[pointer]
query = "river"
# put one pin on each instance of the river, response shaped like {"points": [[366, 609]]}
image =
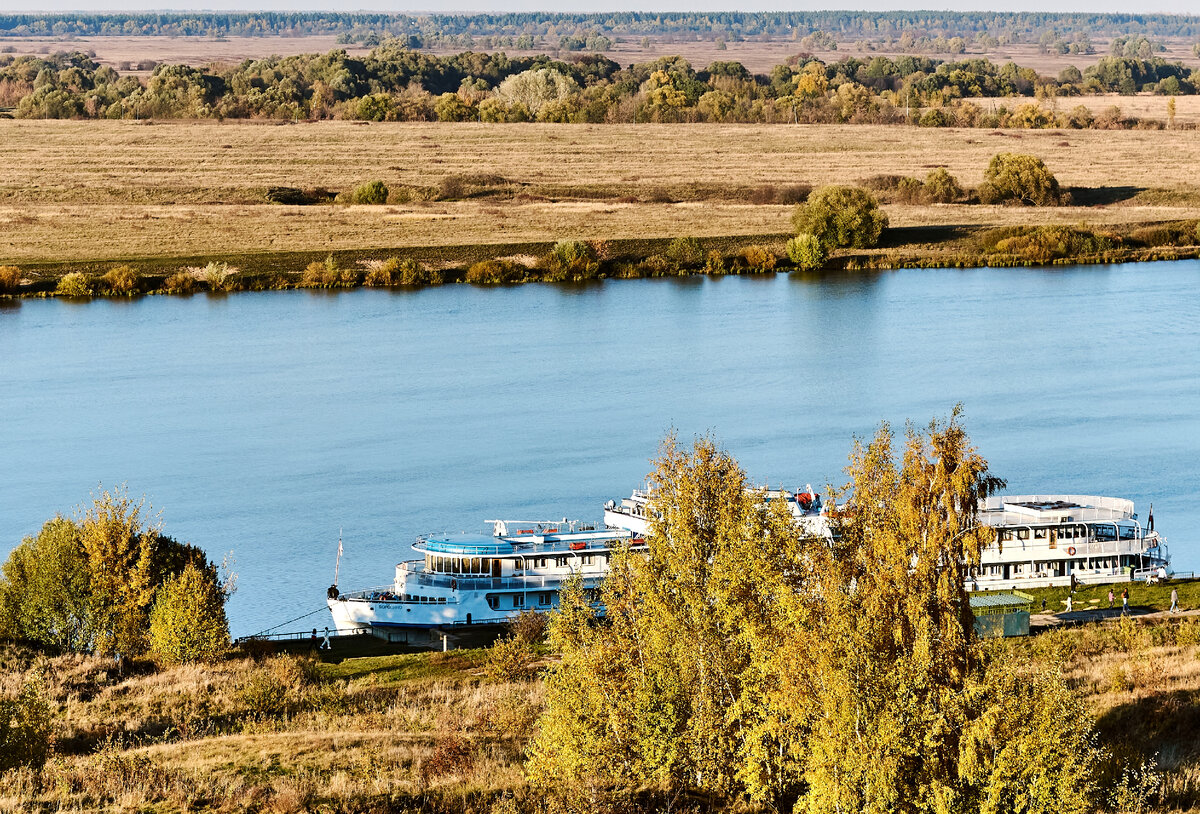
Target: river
{"points": [[264, 423]]}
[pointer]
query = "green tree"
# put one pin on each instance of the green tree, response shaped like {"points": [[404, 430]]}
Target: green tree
{"points": [[120, 549], [840, 216], [45, 594], [187, 622], [1020, 179]]}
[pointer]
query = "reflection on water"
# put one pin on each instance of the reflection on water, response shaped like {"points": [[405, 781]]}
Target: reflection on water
{"points": [[264, 422]]}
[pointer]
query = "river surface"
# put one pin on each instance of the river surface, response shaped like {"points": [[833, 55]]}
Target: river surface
{"points": [[264, 423]]}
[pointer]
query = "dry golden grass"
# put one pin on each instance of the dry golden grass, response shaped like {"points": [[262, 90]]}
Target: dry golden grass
{"points": [[111, 190]]}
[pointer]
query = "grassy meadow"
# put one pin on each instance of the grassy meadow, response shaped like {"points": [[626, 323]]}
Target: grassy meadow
{"points": [[107, 191]]}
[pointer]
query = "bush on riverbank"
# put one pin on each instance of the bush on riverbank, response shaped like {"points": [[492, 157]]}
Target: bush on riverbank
{"points": [[10, 279]]}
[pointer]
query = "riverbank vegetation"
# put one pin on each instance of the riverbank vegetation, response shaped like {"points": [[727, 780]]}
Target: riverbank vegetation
{"points": [[777, 700]]}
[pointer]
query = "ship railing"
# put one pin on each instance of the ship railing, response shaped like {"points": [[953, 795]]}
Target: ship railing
{"points": [[1024, 549], [470, 582], [301, 635]]}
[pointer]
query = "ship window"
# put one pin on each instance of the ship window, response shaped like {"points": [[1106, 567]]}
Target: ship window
{"points": [[1127, 533], [475, 566], [1106, 532], [1022, 534], [486, 564], [518, 601], [1005, 534], [441, 600], [492, 602], [1039, 534], [428, 562], [543, 599]]}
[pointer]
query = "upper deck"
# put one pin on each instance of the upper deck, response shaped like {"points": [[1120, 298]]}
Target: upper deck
{"points": [[511, 538], [1048, 510]]}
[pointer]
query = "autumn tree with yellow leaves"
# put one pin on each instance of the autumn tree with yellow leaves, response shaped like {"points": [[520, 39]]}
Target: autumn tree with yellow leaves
{"points": [[744, 661]]}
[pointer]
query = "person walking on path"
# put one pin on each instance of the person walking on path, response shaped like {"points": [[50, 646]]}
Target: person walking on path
{"points": [[1110, 598], [1174, 600], [1124, 600], [1070, 604], [325, 643]]}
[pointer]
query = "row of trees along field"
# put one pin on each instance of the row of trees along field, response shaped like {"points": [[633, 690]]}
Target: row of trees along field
{"points": [[746, 662], [1006, 27], [394, 83], [109, 582]]}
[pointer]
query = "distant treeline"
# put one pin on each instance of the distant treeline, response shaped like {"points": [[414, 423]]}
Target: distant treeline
{"points": [[393, 83], [730, 26]]}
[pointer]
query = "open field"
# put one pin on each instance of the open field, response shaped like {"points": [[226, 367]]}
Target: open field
{"points": [[75, 191], [758, 56]]}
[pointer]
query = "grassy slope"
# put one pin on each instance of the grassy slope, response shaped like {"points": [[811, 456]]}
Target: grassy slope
{"points": [[429, 731]]}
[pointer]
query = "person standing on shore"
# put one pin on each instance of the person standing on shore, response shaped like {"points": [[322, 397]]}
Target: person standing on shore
{"points": [[1110, 598], [1124, 600], [1174, 600]]}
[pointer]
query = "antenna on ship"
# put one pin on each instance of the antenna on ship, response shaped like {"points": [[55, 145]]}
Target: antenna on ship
{"points": [[337, 566]]}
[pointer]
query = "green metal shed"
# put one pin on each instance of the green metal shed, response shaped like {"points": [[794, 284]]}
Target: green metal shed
{"points": [[1001, 613]]}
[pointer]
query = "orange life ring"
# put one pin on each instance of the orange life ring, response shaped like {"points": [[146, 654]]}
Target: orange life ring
{"points": [[1070, 551]]}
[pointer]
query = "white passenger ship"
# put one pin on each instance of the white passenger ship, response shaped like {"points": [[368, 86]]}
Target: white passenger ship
{"points": [[470, 579], [484, 578], [1041, 540]]}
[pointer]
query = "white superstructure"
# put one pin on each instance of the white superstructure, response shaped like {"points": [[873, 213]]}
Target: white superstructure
{"points": [[484, 578], [1041, 540]]}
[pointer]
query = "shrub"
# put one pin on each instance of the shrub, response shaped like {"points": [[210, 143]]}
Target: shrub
{"points": [[714, 263], [509, 659], [74, 284], [187, 623], [841, 216], [327, 275], [942, 187], [570, 260], [181, 282], [686, 252], [371, 193], [26, 727], [493, 272], [219, 276], [759, 258], [528, 626], [121, 280], [1044, 244], [10, 279], [395, 271], [806, 252], [1019, 179]]}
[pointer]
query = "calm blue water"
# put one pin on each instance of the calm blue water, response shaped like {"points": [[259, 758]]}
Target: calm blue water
{"points": [[263, 423]]}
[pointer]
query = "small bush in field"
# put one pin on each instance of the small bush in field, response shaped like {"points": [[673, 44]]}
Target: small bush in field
{"points": [[74, 284], [181, 282], [686, 252], [371, 193], [1019, 179], [453, 754], [806, 252], [121, 280], [508, 659], [528, 626], [942, 187], [395, 271], [570, 260], [759, 258], [10, 279], [26, 728]]}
